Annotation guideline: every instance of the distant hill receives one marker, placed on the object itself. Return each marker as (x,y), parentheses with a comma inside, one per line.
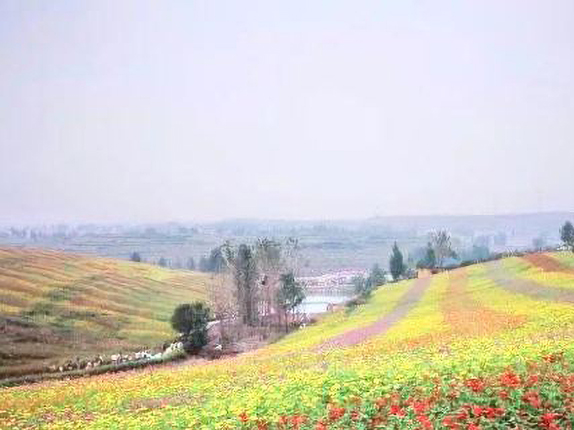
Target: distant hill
(326,245)
(55,305)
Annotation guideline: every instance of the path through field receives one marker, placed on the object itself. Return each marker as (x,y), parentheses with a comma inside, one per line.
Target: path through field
(467,316)
(404,305)
(548,263)
(500,275)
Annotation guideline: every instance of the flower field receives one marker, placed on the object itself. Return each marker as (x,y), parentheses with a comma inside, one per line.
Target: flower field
(54,306)
(489,346)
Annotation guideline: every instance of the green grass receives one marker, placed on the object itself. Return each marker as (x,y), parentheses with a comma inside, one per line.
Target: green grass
(55,306)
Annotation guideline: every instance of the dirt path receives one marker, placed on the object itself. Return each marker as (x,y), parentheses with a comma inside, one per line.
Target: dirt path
(409,299)
(548,263)
(498,273)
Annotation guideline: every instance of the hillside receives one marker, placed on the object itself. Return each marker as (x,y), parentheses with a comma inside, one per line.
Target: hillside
(55,305)
(489,346)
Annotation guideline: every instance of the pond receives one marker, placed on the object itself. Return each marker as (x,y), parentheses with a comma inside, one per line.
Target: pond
(315,304)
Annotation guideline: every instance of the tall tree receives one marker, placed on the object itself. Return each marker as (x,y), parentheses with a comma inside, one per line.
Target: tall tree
(429,260)
(291,254)
(441,244)
(222,296)
(290,294)
(244,267)
(136,257)
(216,262)
(567,235)
(396,265)
(270,264)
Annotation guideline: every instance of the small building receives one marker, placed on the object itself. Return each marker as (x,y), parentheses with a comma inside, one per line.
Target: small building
(425,273)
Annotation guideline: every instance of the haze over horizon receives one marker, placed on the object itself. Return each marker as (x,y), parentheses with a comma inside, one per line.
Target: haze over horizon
(174,111)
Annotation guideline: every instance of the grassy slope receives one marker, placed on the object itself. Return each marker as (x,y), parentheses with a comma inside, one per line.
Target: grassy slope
(56,305)
(458,346)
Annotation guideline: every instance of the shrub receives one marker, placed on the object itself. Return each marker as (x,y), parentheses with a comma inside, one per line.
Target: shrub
(191,321)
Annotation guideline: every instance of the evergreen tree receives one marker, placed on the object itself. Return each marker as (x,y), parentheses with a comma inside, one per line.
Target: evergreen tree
(396,265)
(377,276)
(567,235)
(216,262)
(429,260)
(291,293)
(136,257)
(191,321)
(245,275)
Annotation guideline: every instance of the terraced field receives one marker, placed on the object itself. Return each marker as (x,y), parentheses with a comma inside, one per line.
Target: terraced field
(484,347)
(56,305)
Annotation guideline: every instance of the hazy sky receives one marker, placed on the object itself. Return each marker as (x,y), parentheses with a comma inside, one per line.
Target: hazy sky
(200,110)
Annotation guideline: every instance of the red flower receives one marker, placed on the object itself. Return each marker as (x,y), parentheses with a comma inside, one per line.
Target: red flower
(297,420)
(450,423)
(475,384)
(336,413)
(548,420)
(419,407)
(533,399)
(321,426)
(462,415)
(532,380)
(493,412)
(354,415)
(397,410)
(425,422)
(510,379)
(503,394)
(243,417)
(553,358)
(262,425)
(477,411)
(473,426)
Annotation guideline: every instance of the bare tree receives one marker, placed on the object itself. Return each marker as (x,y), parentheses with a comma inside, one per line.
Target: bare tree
(270,263)
(243,266)
(292,255)
(223,302)
(441,244)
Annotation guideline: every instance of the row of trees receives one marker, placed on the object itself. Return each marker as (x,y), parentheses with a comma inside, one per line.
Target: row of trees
(255,286)
(365,286)
(164,262)
(256,283)
(438,250)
